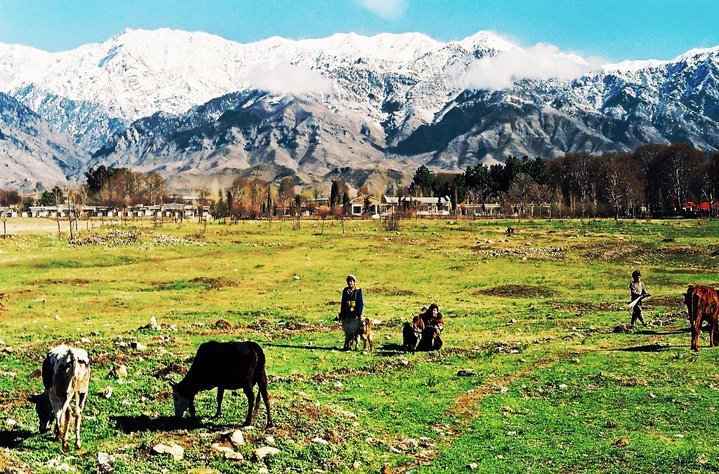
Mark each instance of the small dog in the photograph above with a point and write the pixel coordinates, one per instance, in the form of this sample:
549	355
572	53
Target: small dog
411	334
356	329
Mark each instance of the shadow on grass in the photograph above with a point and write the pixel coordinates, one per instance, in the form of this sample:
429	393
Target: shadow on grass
651	332
646	348
13	438
132	424
303	346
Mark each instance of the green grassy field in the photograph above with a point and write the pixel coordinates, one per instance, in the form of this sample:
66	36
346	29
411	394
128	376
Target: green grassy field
532	316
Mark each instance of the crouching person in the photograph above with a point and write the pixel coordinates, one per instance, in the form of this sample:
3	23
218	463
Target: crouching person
433	327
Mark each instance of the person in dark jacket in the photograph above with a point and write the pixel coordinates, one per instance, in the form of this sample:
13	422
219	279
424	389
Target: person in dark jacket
433	327
352	304
638	292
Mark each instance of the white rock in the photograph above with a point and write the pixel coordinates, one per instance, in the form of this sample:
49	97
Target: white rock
120	372
85	340
319	440
270	439
338	384
261	453
263	470
10	423
296	277
59	466
105	463
473	466
356	465
175	450
237	439
227	453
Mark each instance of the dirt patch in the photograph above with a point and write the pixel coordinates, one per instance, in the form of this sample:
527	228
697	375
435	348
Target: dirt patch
516	291
580	307
389	291
105	358
172	368
669	302
199	282
66	281
525	252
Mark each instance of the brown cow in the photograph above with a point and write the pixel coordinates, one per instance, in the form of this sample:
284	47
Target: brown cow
703	305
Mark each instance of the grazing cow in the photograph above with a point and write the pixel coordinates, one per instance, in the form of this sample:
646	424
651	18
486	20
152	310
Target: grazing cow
355	329
227	366
703	305
66	377
412	333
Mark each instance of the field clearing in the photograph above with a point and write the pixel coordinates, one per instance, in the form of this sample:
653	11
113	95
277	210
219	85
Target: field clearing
531	316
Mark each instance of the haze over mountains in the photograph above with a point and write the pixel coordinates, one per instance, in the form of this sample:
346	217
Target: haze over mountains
195	106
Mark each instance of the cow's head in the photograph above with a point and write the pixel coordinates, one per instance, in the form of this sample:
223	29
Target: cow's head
43	409
182	401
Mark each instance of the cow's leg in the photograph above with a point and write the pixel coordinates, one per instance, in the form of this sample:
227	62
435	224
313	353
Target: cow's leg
64	429
220	393
262	385
193	412
348	341
250	404
79	406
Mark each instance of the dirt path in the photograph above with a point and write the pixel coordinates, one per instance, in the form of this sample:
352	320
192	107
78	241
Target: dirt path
464	407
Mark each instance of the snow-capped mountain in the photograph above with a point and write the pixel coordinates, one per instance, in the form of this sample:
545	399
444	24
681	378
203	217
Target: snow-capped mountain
617	109
195	104
33	155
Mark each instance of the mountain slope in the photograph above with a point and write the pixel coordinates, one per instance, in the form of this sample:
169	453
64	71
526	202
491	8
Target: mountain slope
32	154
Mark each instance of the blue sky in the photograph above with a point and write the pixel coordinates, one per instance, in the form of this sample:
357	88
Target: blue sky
613	29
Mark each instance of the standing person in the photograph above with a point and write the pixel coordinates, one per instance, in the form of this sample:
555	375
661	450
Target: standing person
638	292
351	305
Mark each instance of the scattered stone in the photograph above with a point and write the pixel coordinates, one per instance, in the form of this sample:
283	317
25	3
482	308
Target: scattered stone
106	392
511	433
175	450
270	439
237	439
227	453
356	465
263	452
8	350
296	277
466	373
473	466
138	346
12	470
119	372
263	470
338	384
562	386
319	440
57	465
621	442
10	423
85	340
105	463
622	328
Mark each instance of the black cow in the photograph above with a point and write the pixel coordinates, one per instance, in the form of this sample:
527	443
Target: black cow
227	366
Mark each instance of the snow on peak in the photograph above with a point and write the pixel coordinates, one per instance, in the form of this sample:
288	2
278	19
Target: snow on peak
486	40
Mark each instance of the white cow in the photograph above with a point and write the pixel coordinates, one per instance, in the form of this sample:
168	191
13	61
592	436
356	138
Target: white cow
66	377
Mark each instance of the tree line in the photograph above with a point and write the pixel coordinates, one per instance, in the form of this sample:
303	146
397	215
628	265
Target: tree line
652	180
